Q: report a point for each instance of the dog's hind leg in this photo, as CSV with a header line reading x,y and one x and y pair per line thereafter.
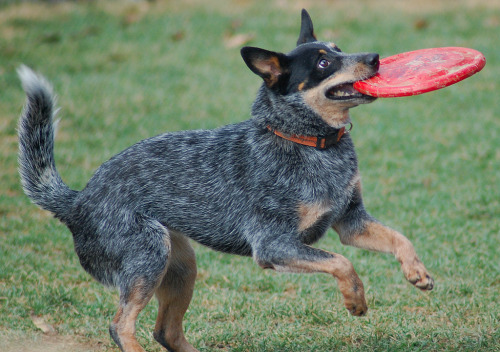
x,y
122,329
174,295
145,254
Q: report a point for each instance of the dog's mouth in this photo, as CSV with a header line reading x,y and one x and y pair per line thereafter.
x,y
344,91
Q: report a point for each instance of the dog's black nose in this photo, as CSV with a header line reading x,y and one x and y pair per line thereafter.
x,y
372,59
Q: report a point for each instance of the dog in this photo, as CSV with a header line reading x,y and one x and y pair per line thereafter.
x,y
268,188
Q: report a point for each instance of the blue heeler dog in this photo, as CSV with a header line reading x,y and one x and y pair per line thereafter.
x,y
267,187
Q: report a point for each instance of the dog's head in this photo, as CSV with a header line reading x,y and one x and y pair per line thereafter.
x,y
319,71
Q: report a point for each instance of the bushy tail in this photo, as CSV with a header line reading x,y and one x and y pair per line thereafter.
x,y
39,176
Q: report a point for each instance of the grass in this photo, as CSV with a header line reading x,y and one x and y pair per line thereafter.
x,y
125,71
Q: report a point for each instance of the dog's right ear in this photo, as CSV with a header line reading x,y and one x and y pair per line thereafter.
x,y
306,29
267,64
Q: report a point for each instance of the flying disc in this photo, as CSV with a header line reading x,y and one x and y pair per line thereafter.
x,y
421,71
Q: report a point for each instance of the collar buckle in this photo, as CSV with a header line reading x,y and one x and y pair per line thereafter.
x,y
320,142
325,142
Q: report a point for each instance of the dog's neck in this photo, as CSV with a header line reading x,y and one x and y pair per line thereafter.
x,y
291,116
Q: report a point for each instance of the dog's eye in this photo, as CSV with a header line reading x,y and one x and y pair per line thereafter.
x,y
323,63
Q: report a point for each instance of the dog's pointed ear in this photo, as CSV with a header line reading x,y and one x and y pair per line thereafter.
x,y
306,29
267,64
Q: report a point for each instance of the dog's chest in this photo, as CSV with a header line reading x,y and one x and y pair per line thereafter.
x,y
314,217
309,214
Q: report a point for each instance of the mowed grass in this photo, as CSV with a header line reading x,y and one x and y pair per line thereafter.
x,y
125,71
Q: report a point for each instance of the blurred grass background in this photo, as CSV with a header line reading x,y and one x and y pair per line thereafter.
x,y
128,70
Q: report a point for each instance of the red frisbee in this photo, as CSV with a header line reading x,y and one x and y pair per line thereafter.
x,y
421,71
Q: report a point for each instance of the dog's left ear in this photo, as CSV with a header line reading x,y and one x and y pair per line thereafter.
x,y
267,64
306,29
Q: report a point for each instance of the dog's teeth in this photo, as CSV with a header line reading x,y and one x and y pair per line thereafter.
x,y
343,91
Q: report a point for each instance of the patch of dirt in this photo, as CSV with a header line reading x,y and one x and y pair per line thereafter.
x,y
47,343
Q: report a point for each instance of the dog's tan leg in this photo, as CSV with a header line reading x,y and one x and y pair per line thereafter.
x,y
341,268
378,237
122,328
174,296
357,228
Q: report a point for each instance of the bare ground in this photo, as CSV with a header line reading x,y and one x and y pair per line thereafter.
x,y
47,343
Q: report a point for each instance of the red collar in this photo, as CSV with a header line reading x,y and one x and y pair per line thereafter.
x,y
320,142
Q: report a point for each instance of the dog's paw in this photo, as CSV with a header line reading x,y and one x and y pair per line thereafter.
x,y
416,273
352,289
357,309
355,301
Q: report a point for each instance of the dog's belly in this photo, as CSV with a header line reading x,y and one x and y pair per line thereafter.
x,y
218,239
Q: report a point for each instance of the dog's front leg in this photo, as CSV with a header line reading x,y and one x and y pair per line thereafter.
x,y
289,256
357,228
378,237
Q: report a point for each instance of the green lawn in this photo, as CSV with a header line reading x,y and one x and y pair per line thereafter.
x,y
125,71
